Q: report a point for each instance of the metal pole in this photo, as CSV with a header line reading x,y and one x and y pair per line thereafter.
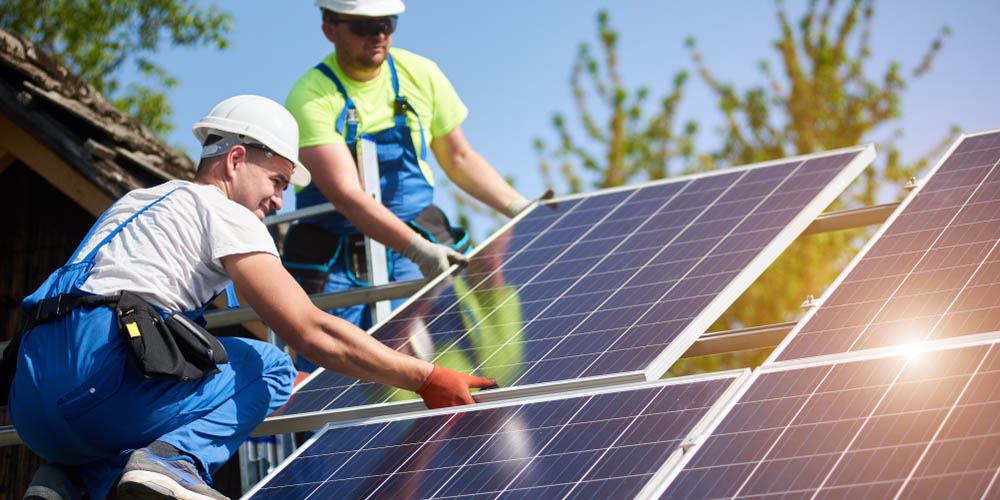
x,y
378,272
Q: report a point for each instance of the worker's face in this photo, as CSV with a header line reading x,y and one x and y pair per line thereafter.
x,y
362,41
259,179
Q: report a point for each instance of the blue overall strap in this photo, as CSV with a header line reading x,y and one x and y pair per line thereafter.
x,y
349,114
232,301
401,105
93,251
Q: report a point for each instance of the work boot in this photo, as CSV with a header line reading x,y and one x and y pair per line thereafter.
x,y
149,476
52,483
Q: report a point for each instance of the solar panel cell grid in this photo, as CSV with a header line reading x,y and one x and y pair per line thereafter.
x,y
595,285
932,274
859,429
597,446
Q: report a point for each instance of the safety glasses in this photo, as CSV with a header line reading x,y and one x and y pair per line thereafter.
x,y
370,27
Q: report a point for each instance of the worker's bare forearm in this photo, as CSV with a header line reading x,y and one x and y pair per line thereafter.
x,y
327,340
346,349
481,181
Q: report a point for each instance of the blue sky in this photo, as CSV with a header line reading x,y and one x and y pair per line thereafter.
x,y
510,62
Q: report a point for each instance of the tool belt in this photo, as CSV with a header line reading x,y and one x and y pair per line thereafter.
x,y
175,348
310,251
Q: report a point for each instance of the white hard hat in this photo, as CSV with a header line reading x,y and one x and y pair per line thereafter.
x,y
255,119
370,8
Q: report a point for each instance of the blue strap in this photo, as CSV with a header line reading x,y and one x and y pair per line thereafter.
x,y
420,123
392,72
93,252
348,117
402,105
232,301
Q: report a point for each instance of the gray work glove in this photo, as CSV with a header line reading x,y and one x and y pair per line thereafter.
x,y
432,258
518,205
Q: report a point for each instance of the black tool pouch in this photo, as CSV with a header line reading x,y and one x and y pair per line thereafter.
x,y
172,349
308,251
433,225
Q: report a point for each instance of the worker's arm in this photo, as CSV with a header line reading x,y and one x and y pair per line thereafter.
x,y
471,172
334,343
336,175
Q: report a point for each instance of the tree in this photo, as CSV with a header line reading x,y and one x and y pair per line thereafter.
x,y
95,39
630,147
823,100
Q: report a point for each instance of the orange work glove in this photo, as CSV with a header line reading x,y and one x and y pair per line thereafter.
x,y
445,387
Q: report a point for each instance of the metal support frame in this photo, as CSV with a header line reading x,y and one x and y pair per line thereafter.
x,y
329,300
850,218
740,339
378,268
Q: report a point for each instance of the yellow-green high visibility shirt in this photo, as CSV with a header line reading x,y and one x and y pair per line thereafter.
x,y
316,103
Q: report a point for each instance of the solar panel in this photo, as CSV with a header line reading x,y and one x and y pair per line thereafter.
x,y
932,272
616,283
918,424
610,443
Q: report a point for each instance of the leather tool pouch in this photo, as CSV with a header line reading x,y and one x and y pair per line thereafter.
x,y
176,348
433,225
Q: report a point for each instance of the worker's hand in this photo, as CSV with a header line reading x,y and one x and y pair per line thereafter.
x,y
432,258
518,205
445,387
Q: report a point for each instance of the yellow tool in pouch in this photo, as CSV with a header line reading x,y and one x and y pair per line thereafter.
x,y
172,349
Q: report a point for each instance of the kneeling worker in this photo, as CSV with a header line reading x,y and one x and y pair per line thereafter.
x,y
113,375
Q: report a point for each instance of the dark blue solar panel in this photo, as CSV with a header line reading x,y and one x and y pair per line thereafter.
x,y
600,284
605,445
933,273
925,425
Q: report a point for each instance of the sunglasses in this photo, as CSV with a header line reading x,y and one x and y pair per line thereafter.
x,y
370,27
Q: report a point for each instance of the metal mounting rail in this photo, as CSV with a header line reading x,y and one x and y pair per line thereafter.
x,y
850,218
331,300
314,210
740,339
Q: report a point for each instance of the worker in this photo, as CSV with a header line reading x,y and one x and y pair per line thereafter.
x,y
113,357
406,105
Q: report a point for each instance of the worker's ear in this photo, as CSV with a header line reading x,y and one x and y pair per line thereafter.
x,y
235,158
329,32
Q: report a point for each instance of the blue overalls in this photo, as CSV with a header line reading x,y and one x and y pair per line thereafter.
x,y
78,402
405,192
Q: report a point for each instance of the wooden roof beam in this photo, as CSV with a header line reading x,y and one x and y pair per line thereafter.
x,y
6,160
15,141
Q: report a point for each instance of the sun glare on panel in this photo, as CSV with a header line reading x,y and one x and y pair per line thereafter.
x,y
913,350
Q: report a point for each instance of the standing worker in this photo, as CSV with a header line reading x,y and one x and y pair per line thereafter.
x,y
113,370
405,104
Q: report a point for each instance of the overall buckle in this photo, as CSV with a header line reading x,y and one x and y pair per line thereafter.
x,y
47,308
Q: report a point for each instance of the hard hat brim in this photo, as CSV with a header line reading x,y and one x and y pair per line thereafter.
x,y
300,175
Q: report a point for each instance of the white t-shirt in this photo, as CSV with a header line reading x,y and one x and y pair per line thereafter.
x,y
170,253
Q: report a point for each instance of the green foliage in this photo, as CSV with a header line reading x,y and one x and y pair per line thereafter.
x,y
823,99
95,39
629,146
